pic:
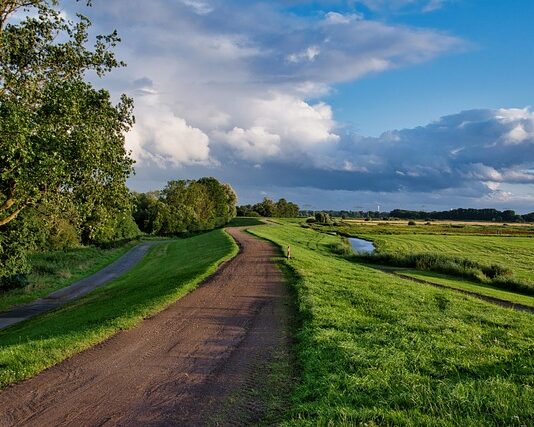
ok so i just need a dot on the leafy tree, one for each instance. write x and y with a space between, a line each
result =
58 132
322 218
61 140
185 206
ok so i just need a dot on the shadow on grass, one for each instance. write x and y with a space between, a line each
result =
243 221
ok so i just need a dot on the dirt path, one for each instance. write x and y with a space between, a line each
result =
77 289
178 367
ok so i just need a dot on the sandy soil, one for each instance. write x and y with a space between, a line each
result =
184 366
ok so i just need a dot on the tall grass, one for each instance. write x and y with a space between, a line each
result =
494 274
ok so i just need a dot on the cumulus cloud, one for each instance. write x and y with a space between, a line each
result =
163 139
237 86
234 79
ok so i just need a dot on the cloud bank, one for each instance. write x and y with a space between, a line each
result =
234 89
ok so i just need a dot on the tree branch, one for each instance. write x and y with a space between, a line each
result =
7 204
11 216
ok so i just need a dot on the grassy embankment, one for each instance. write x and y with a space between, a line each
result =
478 253
465 285
165 274
55 270
376 349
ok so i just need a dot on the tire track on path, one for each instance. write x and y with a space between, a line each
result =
178 367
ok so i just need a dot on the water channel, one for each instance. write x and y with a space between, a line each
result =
360 245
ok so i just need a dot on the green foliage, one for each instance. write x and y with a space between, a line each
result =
323 218
269 209
185 206
62 152
16 239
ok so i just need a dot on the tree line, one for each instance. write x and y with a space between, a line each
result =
460 214
268 208
185 206
464 215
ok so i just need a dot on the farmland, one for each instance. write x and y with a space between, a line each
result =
375 348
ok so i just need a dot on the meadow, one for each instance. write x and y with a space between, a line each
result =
490 254
373 348
515 253
169 271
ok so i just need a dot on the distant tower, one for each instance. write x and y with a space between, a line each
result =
378 208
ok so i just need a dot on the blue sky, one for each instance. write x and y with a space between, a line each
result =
332 104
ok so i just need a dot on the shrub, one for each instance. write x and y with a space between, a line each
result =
411 223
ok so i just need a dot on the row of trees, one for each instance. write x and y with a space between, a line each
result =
268 208
464 215
185 206
452 215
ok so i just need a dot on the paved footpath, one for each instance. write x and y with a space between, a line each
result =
77 289
193 364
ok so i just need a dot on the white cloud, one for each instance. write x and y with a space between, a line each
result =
199 7
254 144
433 5
160 137
308 54
335 18
283 128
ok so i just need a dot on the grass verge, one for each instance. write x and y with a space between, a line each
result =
374 349
55 270
165 274
464 285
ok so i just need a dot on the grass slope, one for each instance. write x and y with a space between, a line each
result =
55 270
167 272
375 349
465 285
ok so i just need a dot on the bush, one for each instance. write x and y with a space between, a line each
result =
411 223
322 218
311 221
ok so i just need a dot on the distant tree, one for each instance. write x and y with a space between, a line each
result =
185 206
322 218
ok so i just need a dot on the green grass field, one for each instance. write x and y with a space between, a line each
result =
55 270
515 253
466 285
374 349
166 273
